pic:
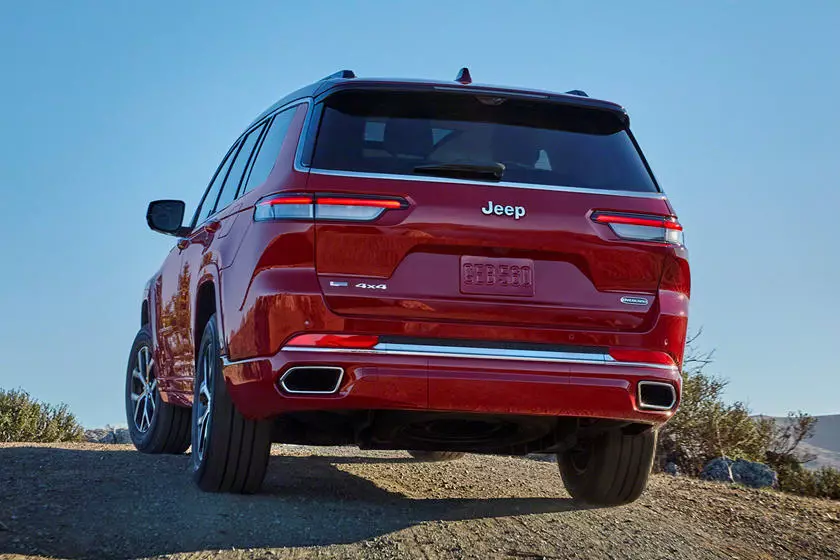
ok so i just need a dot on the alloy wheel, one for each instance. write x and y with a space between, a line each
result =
143 390
203 405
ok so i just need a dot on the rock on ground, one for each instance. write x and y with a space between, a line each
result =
108 434
748 473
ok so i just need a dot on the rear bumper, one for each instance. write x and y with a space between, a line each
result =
378 380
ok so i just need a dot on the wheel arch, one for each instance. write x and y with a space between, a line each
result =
145 318
207 303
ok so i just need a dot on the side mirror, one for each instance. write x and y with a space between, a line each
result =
166 216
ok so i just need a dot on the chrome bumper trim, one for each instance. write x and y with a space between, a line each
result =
388 349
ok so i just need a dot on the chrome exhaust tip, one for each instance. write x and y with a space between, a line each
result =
312 380
656 395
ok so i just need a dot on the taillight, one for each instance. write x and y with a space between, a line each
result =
642 356
642 227
284 207
325 207
357 341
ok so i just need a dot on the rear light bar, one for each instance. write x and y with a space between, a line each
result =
642 227
642 356
350 341
324 207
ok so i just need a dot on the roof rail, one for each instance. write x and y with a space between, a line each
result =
578 92
340 75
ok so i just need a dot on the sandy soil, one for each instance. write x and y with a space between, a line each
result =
108 501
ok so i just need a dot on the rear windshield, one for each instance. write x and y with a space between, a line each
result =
537 142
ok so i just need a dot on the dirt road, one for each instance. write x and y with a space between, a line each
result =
107 501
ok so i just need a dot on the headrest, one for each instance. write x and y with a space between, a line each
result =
410 137
515 145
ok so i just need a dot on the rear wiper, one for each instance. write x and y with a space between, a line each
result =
486 172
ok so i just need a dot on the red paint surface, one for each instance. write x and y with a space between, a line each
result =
275 280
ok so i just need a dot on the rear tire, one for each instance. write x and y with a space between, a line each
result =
609 469
153 425
434 456
230 452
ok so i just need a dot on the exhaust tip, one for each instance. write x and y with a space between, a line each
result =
312 380
656 395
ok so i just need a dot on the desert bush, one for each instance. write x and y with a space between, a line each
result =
793 477
706 427
23 418
796 479
828 483
785 436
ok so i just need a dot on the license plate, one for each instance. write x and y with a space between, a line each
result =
496 276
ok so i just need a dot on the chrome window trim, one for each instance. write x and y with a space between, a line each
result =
194 224
431 179
268 116
386 349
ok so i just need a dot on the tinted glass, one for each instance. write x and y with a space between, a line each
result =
264 162
538 142
209 201
238 168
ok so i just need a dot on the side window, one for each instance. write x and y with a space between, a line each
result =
209 201
264 161
238 168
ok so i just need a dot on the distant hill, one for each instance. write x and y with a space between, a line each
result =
828 433
825 444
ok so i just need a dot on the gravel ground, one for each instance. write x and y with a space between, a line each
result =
108 501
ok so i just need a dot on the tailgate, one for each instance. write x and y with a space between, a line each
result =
520 248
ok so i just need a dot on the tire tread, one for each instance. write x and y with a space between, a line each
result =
170 429
618 469
239 448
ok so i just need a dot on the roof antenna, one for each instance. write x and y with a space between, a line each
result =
463 76
578 92
340 75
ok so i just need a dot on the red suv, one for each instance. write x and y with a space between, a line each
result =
439 267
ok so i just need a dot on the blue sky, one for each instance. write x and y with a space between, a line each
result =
105 106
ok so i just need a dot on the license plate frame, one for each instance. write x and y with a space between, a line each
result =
497 276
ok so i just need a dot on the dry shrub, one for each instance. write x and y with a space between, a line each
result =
23 418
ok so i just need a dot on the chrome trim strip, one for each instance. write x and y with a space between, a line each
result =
432 179
228 362
643 406
501 353
282 381
479 353
271 111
